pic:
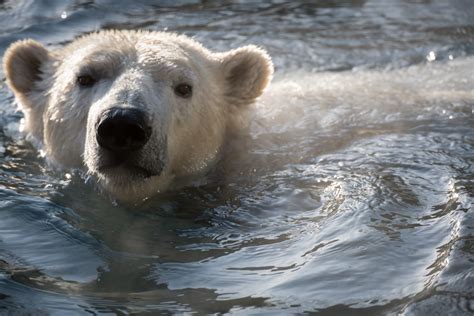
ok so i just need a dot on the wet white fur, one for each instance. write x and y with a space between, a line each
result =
61 115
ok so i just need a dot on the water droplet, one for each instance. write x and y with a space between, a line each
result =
431 56
450 57
64 15
87 179
451 117
165 29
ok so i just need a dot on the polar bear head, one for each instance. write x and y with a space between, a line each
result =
135 109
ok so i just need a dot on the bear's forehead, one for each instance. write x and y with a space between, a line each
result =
125 47
144 52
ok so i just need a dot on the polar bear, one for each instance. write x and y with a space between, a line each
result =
138 110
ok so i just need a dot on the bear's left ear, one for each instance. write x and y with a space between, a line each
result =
247 71
22 62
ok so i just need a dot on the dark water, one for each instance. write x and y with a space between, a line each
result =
352 195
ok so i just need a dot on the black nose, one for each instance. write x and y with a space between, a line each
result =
122 130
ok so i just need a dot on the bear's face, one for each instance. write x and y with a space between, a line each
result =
136 109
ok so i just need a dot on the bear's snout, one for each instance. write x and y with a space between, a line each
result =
121 130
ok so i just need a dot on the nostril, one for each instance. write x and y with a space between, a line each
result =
123 130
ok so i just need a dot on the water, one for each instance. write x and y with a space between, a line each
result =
352 195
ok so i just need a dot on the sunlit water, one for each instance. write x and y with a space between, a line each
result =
351 195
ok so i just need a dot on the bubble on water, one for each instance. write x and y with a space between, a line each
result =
64 15
431 56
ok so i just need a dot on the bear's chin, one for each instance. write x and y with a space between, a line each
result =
131 184
128 173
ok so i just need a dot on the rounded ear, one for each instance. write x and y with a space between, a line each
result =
247 71
22 62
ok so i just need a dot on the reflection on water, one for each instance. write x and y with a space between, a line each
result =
351 196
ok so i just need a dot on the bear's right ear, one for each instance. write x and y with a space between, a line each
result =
247 71
22 65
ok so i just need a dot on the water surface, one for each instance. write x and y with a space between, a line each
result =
352 194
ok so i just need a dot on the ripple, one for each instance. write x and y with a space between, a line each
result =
26 236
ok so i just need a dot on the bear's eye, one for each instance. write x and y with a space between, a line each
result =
85 81
183 90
